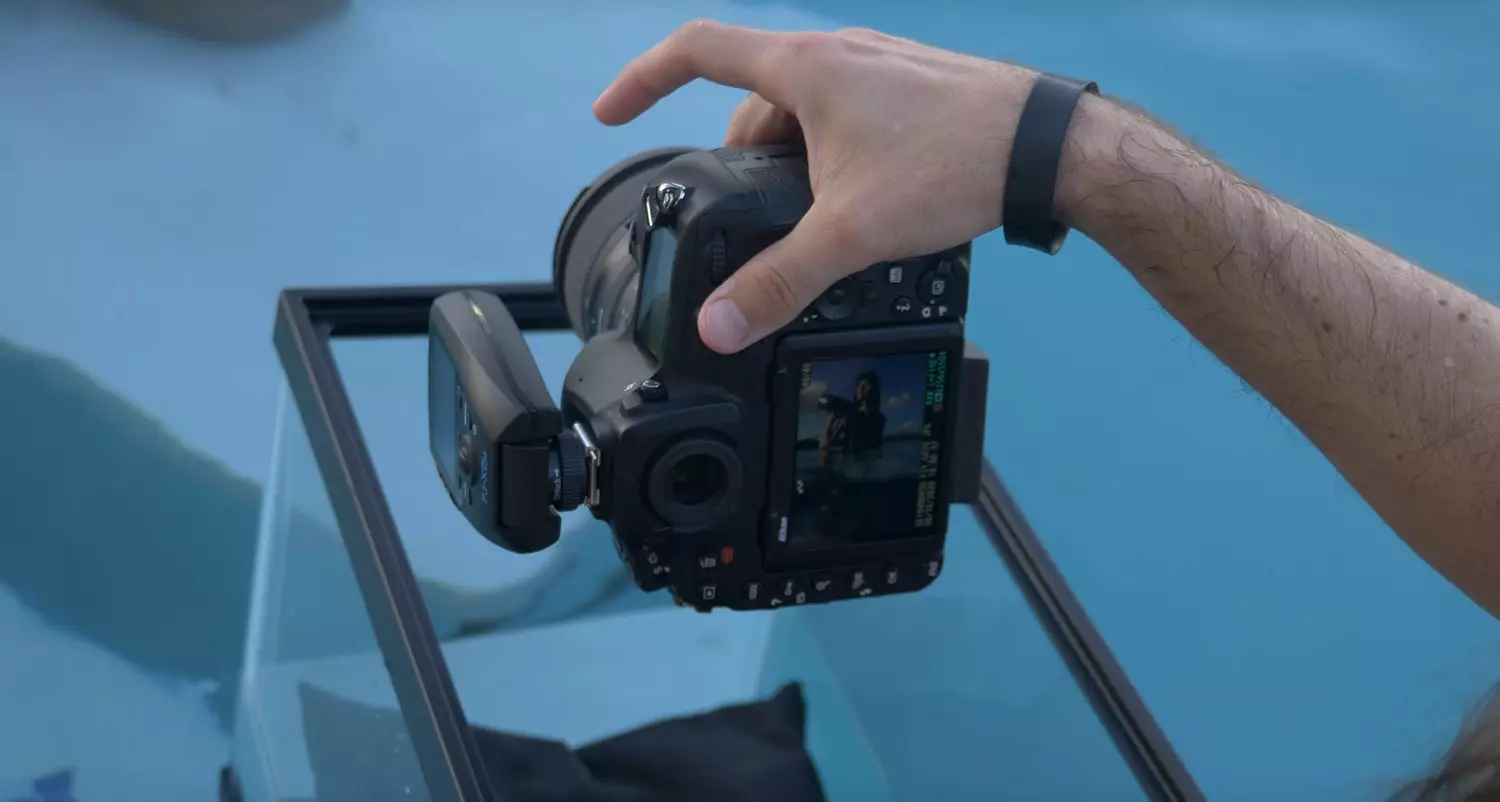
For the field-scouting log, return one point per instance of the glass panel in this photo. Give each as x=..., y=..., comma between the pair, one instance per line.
x=955, y=693
x=317, y=717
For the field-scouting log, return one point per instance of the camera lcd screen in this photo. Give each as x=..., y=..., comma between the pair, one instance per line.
x=870, y=431
x=442, y=406
x=656, y=291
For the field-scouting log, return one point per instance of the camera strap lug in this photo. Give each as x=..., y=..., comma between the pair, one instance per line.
x=660, y=201
x=592, y=455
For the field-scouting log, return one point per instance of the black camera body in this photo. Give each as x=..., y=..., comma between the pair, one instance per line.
x=816, y=465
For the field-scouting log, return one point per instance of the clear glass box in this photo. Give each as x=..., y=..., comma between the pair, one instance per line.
x=957, y=693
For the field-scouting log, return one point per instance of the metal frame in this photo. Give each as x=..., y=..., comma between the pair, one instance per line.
x=306, y=322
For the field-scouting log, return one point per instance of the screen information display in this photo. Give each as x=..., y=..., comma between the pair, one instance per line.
x=868, y=455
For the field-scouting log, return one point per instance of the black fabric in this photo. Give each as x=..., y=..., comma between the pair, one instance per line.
x=753, y=752
x=1031, y=178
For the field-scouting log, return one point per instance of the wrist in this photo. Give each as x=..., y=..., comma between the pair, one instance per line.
x=1092, y=163
x=1113, y=161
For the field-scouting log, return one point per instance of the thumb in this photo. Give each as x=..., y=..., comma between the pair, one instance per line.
x=772, y=288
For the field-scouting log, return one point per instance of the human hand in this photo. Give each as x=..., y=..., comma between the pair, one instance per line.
x=907, y=150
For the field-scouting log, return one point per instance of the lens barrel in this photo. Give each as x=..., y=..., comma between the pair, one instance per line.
x=591, y=266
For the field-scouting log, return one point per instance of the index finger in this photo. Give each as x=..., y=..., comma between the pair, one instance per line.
x=725, y=54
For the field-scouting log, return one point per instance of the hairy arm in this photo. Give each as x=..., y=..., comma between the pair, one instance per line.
x=1391, y=371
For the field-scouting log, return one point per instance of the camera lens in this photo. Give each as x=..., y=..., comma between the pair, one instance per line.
x=696, y=479
x=591, y=265
x=694, y=484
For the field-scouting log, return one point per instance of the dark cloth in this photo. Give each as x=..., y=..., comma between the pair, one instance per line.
x=753, y=752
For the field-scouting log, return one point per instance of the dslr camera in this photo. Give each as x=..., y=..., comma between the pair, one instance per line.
x=817, y=465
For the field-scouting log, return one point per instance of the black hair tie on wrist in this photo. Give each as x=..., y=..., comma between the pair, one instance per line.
x=1031, y=179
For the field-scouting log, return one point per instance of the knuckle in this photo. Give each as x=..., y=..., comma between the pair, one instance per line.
x=805, y=50
x=689, y=32
x=861, y=33
x=743, y=111
x=698, y=26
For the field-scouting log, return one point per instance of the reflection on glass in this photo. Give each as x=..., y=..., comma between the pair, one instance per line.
x=953, y=693
x=231, y=21
x=317, y=715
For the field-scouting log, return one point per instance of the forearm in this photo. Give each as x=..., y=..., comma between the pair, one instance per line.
x=1391, y=371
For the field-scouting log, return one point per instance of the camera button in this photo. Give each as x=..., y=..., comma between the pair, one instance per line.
x=902, y=305
x=650, y=390
x=755, y=593
x=822, y=586
x=647, y=567
x=929, y=569
x=708, y=592
x=933, y=285
x=862, y=582
x=841, y=300
x=890, y=576
x=790, y=590
x=708, y=561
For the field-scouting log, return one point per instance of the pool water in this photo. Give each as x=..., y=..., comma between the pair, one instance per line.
x=156, y=193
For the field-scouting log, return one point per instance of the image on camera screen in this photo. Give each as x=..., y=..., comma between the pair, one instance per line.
x=869, y=436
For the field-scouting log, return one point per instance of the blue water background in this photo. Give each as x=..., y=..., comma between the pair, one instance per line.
x=156, y=193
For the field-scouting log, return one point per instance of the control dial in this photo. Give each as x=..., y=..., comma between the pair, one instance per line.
x=841, y=300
